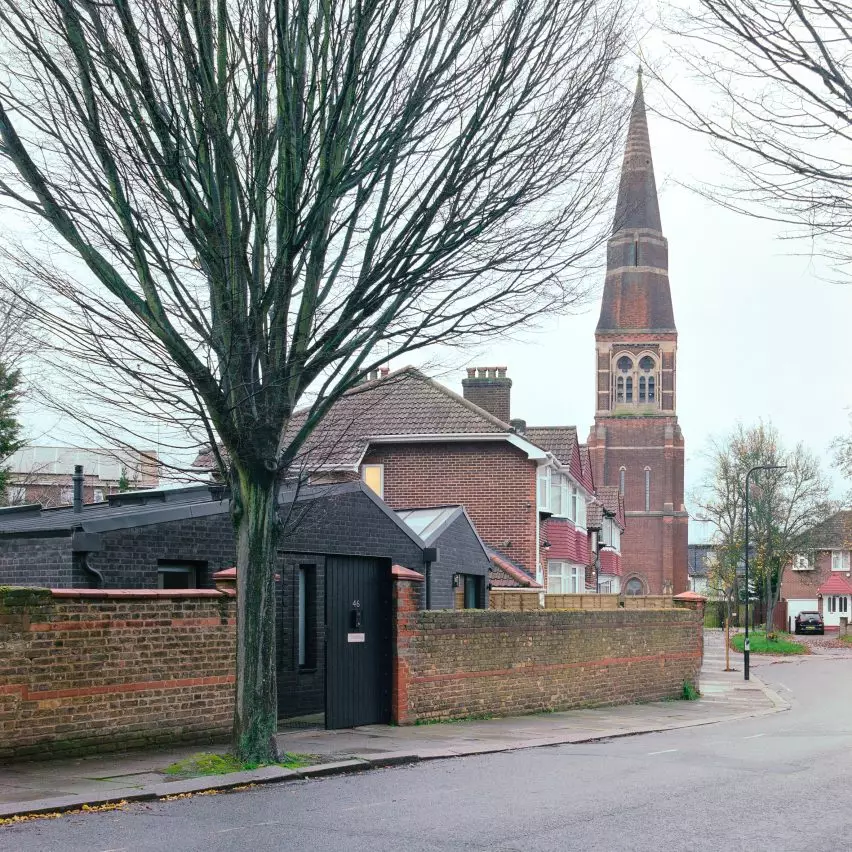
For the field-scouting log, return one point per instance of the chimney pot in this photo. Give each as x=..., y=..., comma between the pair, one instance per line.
x=384, y=371
x=519, y=425
x=77, y=487
x=490, y=389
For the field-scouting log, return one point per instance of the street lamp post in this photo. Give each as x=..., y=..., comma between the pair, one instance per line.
x=746, y=649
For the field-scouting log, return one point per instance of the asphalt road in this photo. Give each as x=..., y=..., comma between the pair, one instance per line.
x=782, y=782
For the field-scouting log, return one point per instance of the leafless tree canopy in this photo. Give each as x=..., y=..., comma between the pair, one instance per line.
x=260, y=198
x=779, y=76
x=783, y=504
x=262, y=192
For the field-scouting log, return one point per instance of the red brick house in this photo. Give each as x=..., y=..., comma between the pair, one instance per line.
x=820, y=577
x=527, y=490
x=636, y=444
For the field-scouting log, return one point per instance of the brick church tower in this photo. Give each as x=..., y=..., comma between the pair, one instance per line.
x=636, y=443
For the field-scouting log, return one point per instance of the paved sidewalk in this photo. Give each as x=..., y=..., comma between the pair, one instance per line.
x=65, y=784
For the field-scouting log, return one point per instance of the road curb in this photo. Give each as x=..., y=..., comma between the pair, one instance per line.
x=358, y=763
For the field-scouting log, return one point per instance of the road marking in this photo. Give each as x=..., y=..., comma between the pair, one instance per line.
x=754, y=736
x=664, y=751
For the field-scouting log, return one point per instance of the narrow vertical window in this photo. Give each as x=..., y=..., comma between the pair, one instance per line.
x=305, y=616
x=647, y=489
x=636, y=251
x=651, y=389
x=619, y=389
x=642, y=388
x=621, y=473
x=628, y=394
x=303, y=622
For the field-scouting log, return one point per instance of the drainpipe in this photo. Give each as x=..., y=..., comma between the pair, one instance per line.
x=77, y=482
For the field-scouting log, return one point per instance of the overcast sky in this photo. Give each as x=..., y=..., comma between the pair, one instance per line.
x=760, y=329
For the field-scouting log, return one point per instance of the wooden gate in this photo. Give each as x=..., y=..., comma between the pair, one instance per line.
x=358, y=611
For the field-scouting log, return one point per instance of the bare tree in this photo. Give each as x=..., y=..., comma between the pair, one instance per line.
x=779, y=108
x=783, y=504
x=261, y=200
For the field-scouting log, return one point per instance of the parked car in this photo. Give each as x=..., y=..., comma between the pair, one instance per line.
x=809, y=622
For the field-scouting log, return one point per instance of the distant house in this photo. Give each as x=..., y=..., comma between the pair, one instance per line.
x=43, y=474
x=820, y=576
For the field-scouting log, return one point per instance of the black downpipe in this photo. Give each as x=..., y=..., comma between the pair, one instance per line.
x=99, y=577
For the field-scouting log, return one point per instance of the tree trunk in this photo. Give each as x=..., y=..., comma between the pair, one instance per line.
x=255, y=708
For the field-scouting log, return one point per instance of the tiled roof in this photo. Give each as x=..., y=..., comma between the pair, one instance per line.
x=403, y=403
x=507, y=575
x=594, y=515
x=559, y=440
x=612, y=501
x=833, y=533
x=586, y=466
x=835, y=585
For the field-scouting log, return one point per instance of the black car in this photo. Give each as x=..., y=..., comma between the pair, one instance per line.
x=809, y=622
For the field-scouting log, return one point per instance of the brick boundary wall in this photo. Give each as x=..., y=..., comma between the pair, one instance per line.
x=86, y=671
x=453, y=664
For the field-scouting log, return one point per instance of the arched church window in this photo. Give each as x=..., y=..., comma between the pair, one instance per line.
x=619, y=389
x=625, y=363
x=646, y=364
x=647, y=380
x=652, y=390
x=634, y=587
x=628, y=389
x=642, y=388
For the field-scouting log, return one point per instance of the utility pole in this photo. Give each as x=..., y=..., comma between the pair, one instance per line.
x=746, y=649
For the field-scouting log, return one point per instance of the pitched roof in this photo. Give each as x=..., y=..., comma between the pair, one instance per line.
x=637, y=205
x=835, y=585
x=612, y=501
x=559, y=440
x=507, y=575
x=586, y=464
x=405, y=402
x=833, y=533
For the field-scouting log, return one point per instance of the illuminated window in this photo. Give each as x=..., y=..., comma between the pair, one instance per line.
x=374, y=477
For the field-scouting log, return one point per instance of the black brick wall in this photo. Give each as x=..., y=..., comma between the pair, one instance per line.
x=459, y=551
x=129, y=558
x=42, y=562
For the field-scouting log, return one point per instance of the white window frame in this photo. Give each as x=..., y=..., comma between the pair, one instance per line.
x=572, y=578
x=544, y=475
x=840, y=560
x=802, y=562
x=381, y=469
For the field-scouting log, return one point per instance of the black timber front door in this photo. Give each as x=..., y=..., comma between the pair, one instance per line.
x=358, y=641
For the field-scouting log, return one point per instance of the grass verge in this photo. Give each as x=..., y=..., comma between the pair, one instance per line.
x=761, y=644
x=206, y=763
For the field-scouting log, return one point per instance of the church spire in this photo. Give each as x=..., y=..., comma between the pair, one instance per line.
x=637, y=205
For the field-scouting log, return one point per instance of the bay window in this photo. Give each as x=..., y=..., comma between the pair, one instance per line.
x=563, y=578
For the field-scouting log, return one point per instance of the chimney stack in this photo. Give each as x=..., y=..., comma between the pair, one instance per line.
x=489, y=388
x=77, y=482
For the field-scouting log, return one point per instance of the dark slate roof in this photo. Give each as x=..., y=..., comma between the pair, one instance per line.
x=137, y=508
x=403, y=403
x=834, y=533
x=637, y=205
